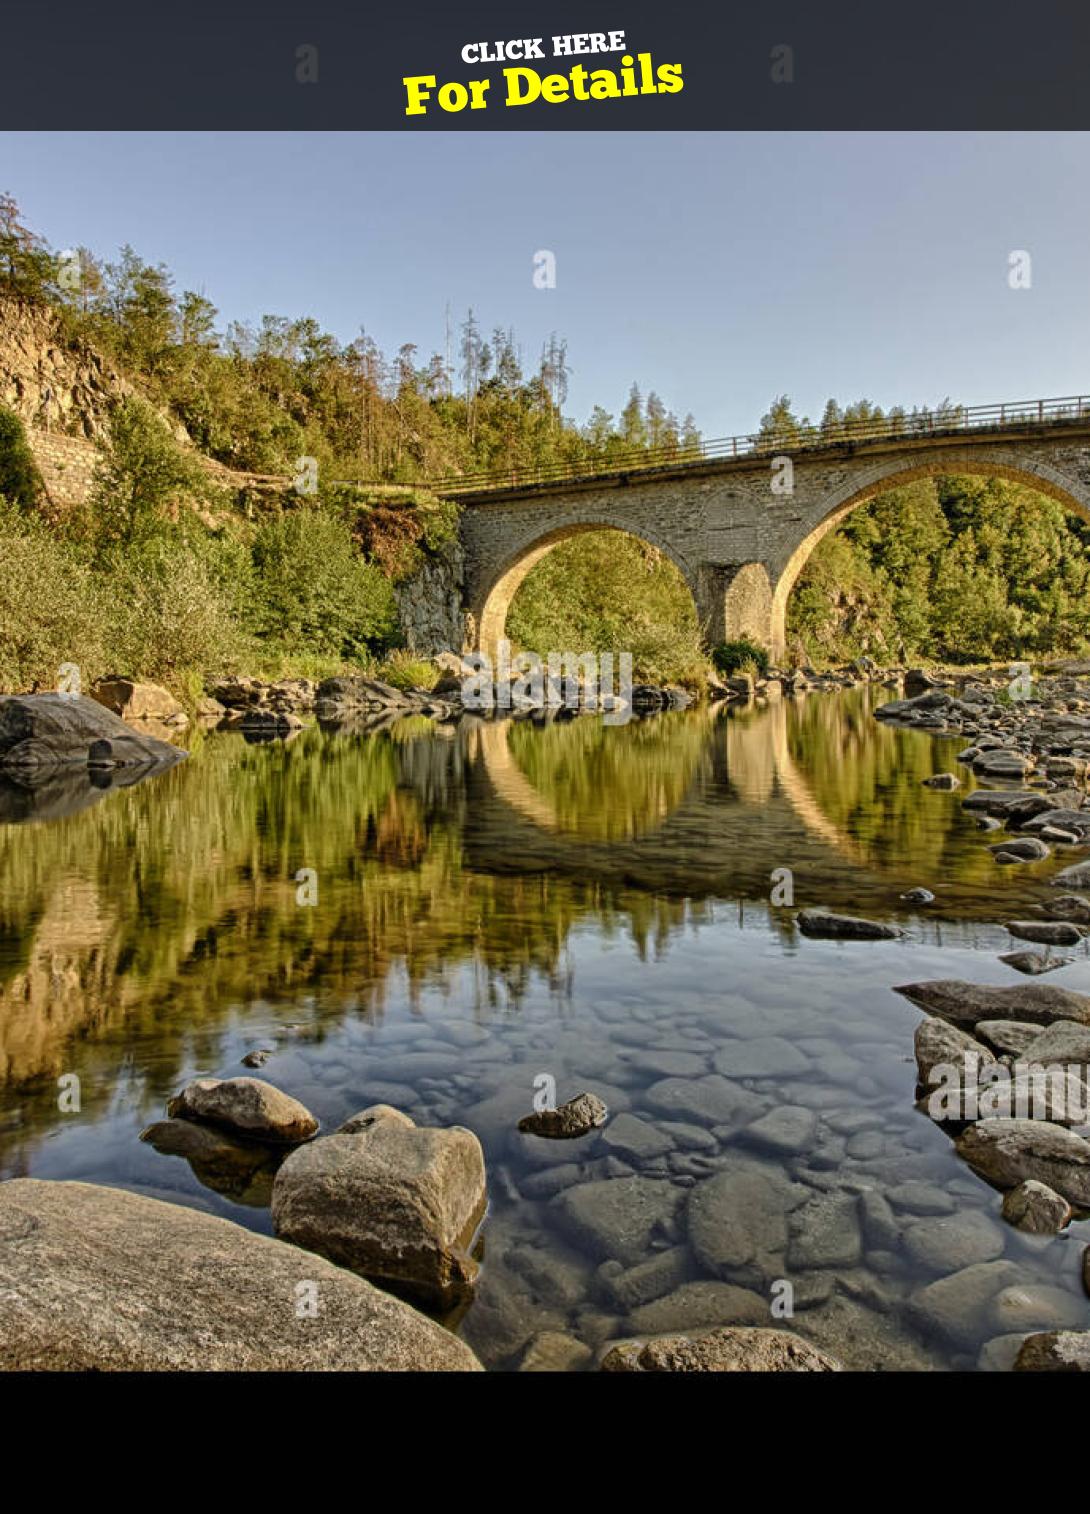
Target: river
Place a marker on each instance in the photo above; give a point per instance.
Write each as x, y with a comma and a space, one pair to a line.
438, 917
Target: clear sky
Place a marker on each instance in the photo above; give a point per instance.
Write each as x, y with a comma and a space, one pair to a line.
719, 270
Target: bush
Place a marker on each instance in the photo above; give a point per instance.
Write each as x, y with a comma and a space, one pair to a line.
407, 670
314, 592
143, 473
20, 481
50, 608
732, 656
171, 616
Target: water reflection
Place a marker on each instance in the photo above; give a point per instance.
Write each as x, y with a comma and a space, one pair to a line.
492, 898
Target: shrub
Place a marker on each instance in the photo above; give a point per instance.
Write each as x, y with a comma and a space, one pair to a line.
171, 616
20, 481
313, 591
740, 655
50, 608
142, 474
407, 670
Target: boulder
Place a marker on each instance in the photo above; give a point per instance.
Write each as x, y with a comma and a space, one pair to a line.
584, 1113
1046, 932
938, 1043
248, 1106
1021, 848
397, 1202
1008, 1152
138, 701
970, 1003
1036, 1209
1055, 1351
823, 923
945, 781
241, 1170
1064, 1043
727, 1349
47, 730
96, 1280
1033, 964
618, 1218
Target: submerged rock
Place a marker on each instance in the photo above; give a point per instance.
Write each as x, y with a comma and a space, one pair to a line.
727, 1349
584, 1113
824, 923
396, 1202
942, 781
620, 1217
98, 1280
248, 1106
918, 896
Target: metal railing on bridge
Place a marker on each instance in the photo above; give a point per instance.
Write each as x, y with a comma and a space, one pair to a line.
943, 421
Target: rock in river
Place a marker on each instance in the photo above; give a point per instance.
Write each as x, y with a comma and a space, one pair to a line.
728, 1349
47, 730
1046, 932
1033, 964
969, 1003
619, 1218
97, 1279
248, 1106
1036, 1209
939, 1044
823, 923
394, 1201
1055, 1351
575, 1118
1009, 1152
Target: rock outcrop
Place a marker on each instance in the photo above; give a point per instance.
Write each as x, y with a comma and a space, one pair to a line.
98, 1280
50, 730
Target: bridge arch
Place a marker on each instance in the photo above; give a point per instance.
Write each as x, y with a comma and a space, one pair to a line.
491, 600
1072, 493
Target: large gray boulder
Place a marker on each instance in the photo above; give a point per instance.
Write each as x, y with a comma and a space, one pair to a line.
396, 1202
96, 1279
48, 730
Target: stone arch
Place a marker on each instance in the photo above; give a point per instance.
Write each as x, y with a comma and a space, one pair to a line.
488, 610
1072, 493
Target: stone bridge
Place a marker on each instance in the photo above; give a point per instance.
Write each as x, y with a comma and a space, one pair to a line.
724, 517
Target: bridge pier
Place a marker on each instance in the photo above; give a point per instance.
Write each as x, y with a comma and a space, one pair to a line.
735, 600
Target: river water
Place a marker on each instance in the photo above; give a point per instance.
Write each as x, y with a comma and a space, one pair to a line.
499, 903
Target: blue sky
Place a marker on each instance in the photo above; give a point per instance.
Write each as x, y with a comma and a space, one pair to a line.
718, 269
